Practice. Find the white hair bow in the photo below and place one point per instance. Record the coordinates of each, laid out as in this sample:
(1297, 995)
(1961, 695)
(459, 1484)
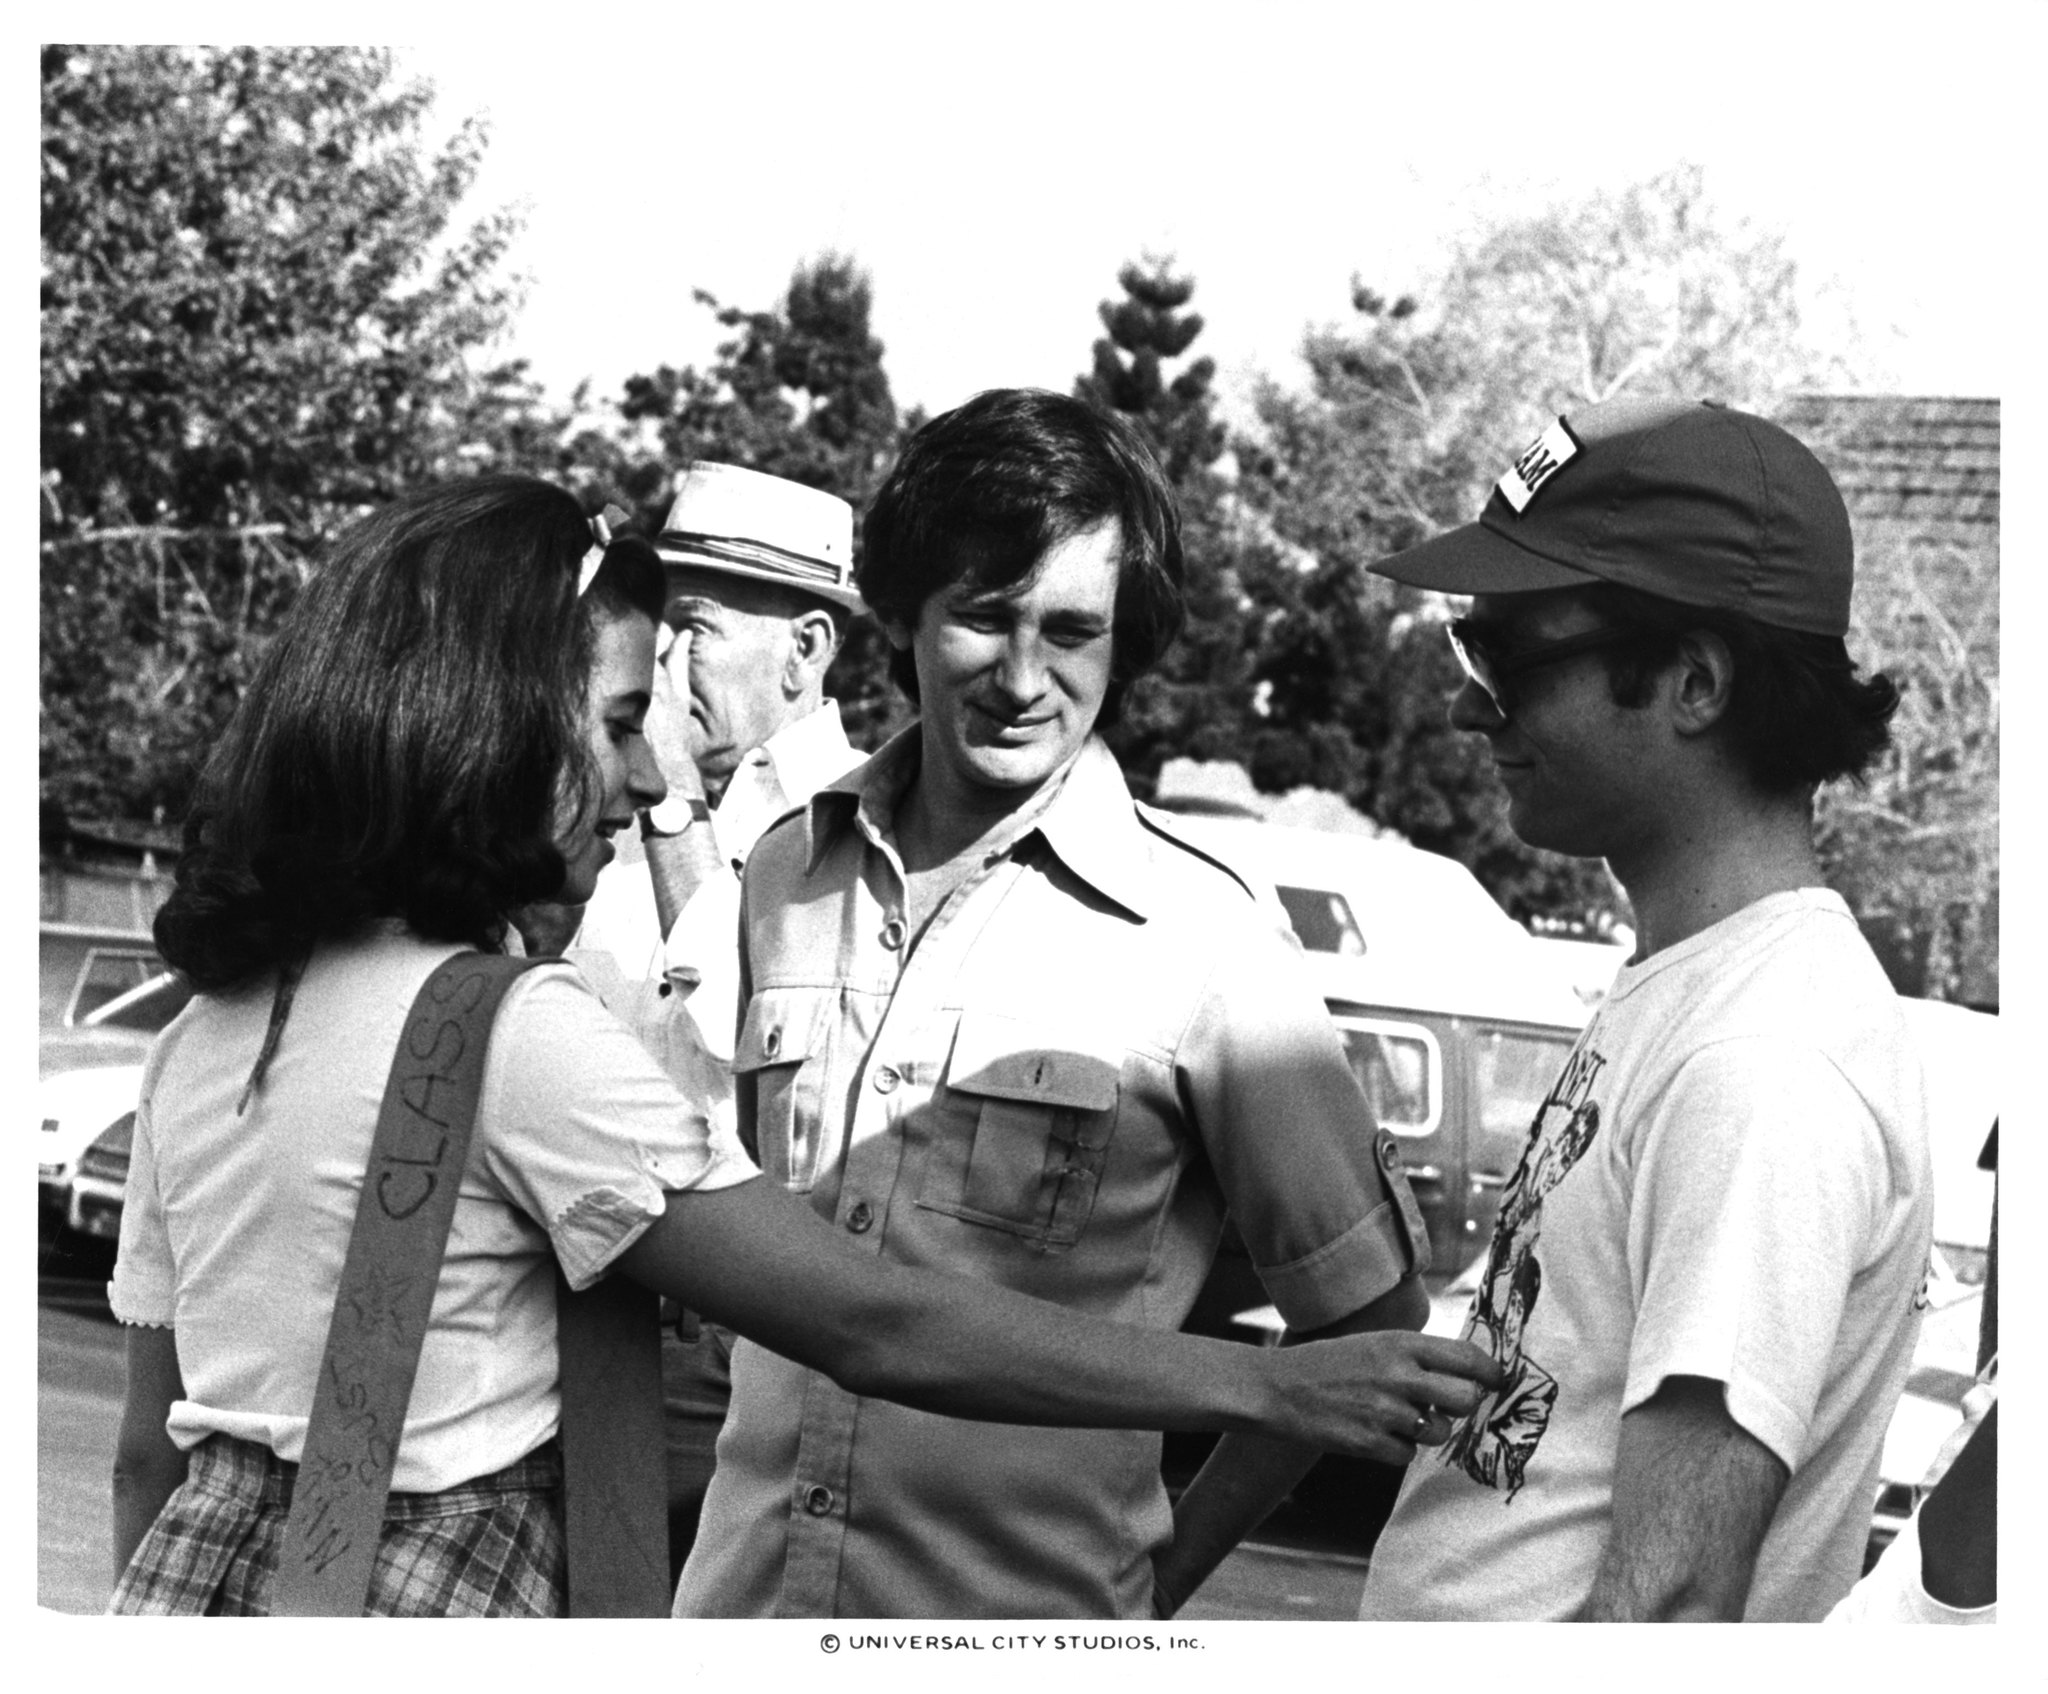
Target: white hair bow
(601, 527)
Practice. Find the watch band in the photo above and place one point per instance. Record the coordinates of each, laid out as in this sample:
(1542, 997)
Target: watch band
(674, 815)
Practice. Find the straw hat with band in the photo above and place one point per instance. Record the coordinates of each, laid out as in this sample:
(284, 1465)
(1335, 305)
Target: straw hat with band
(1686, 500)
(765, 528)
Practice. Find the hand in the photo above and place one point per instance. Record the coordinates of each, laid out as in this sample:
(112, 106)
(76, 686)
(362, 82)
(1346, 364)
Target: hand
(1380, 1395)
(668, 718)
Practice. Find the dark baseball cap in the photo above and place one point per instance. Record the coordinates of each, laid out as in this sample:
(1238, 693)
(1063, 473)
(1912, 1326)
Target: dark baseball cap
(1687, 500)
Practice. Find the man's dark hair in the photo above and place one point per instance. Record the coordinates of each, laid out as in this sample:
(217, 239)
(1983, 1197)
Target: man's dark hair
(1798, 715)
(981, 493)
(404, 739)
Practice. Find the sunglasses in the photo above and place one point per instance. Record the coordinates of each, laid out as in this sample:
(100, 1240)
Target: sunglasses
(1492, 670)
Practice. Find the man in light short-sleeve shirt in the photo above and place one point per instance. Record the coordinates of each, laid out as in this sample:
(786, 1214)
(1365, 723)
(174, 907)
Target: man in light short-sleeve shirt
(1002, 1021)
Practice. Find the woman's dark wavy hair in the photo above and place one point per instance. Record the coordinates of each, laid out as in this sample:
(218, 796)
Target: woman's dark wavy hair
(403, 740)
(981, 492)
(1798, 716)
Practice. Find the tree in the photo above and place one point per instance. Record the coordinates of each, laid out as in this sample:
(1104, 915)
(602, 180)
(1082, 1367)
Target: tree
(1147, 327)
(255, 323)
(1196, 702)
(1914, 848)
(1411, 412)
(1648, 291)
(797, 391)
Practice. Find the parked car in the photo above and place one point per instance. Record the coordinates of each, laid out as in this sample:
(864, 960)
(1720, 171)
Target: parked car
(99, 1181)
(91, 1076)
(75, 1038)
(77, 1107)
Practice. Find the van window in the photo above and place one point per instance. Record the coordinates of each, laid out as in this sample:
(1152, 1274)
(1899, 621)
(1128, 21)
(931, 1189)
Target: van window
(1512, 1071)
(1322, 918)
(1401, 1070)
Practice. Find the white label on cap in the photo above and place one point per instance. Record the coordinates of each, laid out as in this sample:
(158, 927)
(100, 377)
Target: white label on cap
(1538, 463)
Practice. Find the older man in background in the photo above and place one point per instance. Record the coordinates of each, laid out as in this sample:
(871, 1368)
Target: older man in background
(759, 592)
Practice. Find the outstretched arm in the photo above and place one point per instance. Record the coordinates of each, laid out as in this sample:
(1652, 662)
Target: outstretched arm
(1693, 1496)
(760, 1261)
(1246, 1476)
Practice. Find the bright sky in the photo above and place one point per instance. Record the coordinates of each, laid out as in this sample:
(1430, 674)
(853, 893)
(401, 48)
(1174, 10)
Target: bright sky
(993, 176)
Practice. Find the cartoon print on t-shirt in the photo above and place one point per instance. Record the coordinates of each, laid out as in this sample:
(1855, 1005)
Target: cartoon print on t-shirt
(1494, 1444)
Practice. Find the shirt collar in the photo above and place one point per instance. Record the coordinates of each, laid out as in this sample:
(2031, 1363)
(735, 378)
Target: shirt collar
(874, 788)
(812, 751)
(1091, 825)
(795, 761)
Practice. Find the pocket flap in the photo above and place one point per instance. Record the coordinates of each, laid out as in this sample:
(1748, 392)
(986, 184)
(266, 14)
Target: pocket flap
(1010, 1058)
(784, 1026)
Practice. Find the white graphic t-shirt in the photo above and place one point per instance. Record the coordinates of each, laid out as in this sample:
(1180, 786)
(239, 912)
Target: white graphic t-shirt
(1729, 1179)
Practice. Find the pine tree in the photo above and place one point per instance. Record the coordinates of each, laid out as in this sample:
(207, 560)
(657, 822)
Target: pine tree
(1146, 328)
(1196, 703)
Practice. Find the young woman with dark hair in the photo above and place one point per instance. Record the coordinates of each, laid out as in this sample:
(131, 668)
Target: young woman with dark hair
(445, 730)
(405, 736)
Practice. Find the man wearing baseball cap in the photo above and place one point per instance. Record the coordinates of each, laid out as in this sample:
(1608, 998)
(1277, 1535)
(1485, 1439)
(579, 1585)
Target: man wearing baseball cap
(1704, 1275)
(760, 586)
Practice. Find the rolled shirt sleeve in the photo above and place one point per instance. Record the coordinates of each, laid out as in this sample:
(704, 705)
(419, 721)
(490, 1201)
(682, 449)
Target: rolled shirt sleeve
(1314, 1184)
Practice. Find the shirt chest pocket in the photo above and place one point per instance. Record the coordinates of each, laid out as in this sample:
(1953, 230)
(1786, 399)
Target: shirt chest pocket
(779, 1063)
(1021, 1129)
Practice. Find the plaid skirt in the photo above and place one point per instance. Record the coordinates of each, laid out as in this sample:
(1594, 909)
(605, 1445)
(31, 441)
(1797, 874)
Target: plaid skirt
(489, 1547)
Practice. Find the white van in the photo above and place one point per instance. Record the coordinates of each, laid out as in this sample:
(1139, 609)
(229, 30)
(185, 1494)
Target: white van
(1454, 1019)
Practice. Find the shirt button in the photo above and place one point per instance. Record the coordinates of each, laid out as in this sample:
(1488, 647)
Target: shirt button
(771, 1043)
(892, 934)
(886, 1080)
(861, 1218)
(1390, 1155)
(817, 1500)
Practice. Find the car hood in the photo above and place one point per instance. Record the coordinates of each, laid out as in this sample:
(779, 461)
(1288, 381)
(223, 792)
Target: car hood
(79, 1104)
(72, 1050)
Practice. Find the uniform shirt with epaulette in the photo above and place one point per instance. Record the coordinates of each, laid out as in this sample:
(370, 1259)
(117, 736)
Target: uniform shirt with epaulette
(1099, 1045)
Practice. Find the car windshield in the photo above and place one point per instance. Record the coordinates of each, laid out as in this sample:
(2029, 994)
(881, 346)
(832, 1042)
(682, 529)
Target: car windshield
(147, 1008)
(1323, 919)
(118, 1136)
(108, 973)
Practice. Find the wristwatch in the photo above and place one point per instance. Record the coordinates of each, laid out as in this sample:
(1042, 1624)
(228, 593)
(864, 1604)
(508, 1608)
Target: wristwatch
(674, 815)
